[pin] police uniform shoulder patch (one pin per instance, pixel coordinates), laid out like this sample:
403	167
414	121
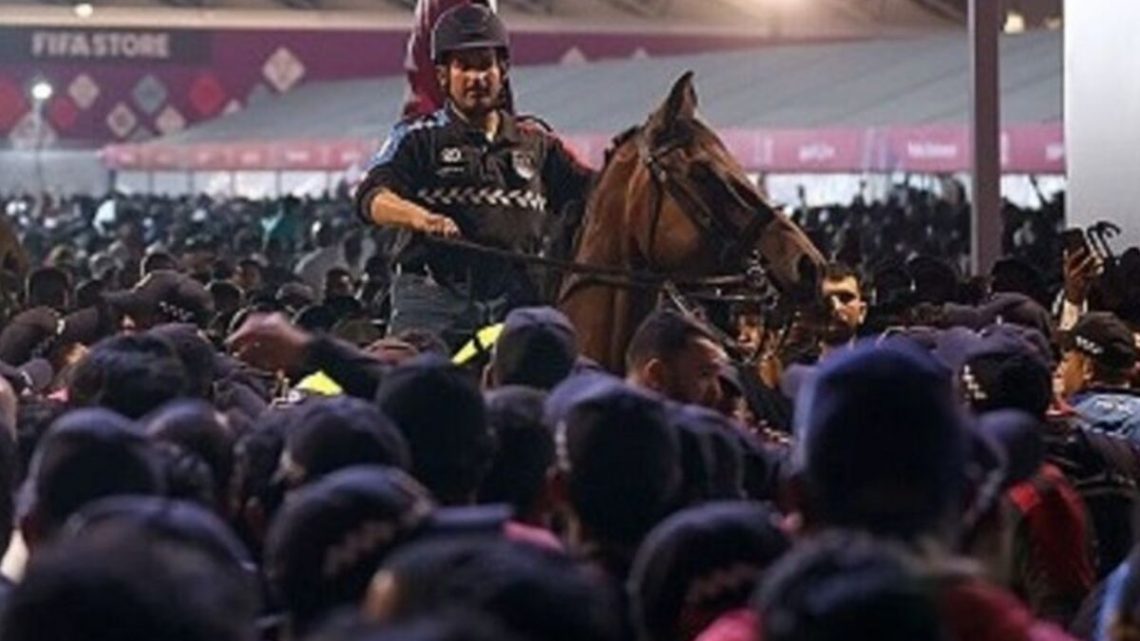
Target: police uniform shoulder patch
451	155
523	163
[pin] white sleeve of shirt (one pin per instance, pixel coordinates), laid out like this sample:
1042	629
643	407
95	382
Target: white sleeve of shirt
1070	314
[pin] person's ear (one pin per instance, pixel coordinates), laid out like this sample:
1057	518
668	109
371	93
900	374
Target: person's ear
381	602
655	375
441	76
557	492
795	502
1086	368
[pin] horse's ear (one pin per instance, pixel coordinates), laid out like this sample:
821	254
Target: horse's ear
682	101
680	105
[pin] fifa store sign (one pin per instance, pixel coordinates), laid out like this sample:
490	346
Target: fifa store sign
102	45
109	44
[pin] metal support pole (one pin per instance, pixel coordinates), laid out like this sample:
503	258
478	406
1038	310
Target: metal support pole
985	135
37	154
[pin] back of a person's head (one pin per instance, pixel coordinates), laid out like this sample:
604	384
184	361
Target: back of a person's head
699	564
88	454
33	418
663	335
227	296
329	434
882	442
194	351
425	341
620	456
532	592
118	585
330	537
132	374
255	490
711	459
1005	372
198	428
524	449
538	347
440	411
845	586
48	287
154	261
166	519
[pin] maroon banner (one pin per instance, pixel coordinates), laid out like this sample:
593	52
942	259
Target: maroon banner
133	85
1032	149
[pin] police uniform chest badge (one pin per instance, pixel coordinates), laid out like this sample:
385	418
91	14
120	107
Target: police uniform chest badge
523	164
451	155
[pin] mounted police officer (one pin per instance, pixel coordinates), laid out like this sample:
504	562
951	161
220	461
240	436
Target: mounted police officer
472	170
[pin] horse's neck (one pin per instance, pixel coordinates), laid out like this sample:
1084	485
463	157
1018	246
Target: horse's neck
605	316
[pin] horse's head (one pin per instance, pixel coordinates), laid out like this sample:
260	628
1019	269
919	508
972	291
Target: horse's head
706	203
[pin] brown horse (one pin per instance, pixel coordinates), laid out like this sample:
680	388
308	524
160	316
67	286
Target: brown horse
672	200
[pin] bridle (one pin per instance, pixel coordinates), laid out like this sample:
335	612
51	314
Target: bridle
734	246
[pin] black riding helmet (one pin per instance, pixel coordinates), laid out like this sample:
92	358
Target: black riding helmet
469	26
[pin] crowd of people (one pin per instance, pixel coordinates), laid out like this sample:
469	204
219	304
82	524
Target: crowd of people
209	434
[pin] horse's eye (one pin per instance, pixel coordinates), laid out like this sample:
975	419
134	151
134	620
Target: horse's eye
723	191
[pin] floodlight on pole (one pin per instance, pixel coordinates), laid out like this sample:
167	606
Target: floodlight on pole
1014	23
42	91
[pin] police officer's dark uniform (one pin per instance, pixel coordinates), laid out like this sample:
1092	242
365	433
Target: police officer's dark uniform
499	192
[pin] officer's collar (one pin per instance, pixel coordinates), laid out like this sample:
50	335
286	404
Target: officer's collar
508	129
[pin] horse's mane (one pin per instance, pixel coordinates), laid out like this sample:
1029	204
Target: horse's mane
617	142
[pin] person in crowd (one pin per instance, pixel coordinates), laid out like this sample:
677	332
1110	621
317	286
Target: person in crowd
676	357
132	374
199	429
842	292
700	564
49	287
335	433
443	288
1096	374
538	347
126	583
884	447
524	454
250	276
86	455
529	591
163	296
327	542
617	467
845	585
1012	369
440	411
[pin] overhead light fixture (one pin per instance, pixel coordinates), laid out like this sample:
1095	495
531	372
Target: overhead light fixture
1014	22
42	90
83	10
